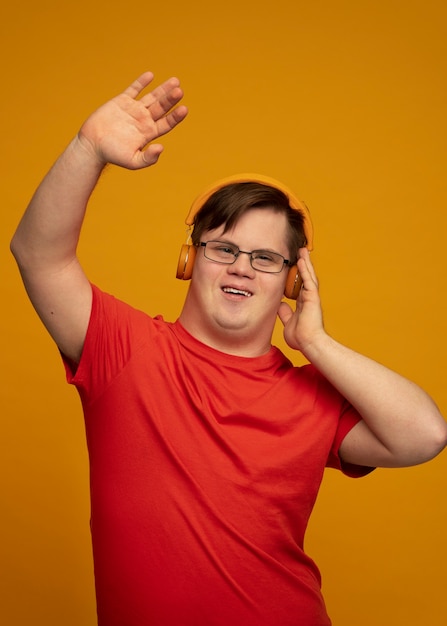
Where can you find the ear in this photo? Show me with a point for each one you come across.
(293, 283)
(186, 261)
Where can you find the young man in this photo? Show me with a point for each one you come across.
(206, 445)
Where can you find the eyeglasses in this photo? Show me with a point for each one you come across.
(260, 260)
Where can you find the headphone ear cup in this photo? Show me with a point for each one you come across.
(186, 261)
(293, 283)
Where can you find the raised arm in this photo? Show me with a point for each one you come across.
(401, 424)
(120, 132)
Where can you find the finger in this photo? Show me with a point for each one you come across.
(150, 155)
(306, 269)
(139, 84)
(167, 123)
(160, 92)
(285, 312)
(162, 100)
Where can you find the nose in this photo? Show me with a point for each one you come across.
(242, 264)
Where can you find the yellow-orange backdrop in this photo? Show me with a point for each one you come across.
(345, 102)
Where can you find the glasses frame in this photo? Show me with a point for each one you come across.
(285, 262)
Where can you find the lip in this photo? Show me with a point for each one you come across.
(236, 291)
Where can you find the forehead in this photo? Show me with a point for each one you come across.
(258, 228)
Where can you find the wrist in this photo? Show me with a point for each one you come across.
(85, 152)
(317, 346)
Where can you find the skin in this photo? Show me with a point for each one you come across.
(401, 424)
(121, 132)
(238, 323)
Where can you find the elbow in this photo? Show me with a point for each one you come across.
(436, 440)
(26, 254)
(441, 438)
(16, 249)
(13, 247)
(424, 444)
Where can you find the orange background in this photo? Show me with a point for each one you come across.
(345, 102)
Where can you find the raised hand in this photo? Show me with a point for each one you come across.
(45, 243)
(304, 326)
(121, 130)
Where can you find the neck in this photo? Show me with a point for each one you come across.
(237, 342)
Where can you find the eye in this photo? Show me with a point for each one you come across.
(264, 257)
(222, 249)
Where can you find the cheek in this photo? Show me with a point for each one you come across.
(204, 273)
(275, 285)
(200, 268)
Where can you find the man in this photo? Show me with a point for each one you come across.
(206, 445)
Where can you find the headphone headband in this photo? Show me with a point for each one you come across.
(294, 202)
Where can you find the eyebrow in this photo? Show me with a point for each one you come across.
(264, 249)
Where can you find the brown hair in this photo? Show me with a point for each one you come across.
(228, 204)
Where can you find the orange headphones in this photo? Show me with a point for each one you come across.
(188, 251)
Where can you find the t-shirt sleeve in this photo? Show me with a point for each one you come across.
(114, 333)
(349, 418)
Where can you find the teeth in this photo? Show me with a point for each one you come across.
(239, 292)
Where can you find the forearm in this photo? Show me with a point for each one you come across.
(121, 132)
(399, 413)
(401, 423)
(49, 230)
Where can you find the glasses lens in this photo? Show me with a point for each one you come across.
(220, 252)
(266, 261)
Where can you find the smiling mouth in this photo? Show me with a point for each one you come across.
(237, 292)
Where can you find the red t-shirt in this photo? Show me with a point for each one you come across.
(204, 470)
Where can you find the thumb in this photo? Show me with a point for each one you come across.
(150, 155)
(285, 312)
